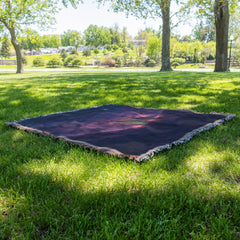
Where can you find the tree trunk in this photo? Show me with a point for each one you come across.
(221, 12)
(165, 8)
(17, 48)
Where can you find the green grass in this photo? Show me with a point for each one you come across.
(52, 190)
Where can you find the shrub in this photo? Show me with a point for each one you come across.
(131, 46)
(115, 46)
(105, 52)
(38, 62)
(74, 51)
(86, 52)
(76, 62)
(54, 62)
(178, 60)
(24, 60)
(175, 64)
(118, 52)
(68, 60)
(96, 50)
(125, 50)
(109, 61)
(63, 54)
(138, 62)
(119, 60)
(109, 48)
(203, 59)
(150, 62)
(97, 62)
(126, 59)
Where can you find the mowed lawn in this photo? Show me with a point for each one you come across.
(52, 190)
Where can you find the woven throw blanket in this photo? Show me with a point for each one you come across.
(125, 131)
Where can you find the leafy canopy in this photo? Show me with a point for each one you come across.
(21, 13)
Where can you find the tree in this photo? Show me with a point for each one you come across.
(72, 38)
(97, 36)
(234, 25)
(31, 41)
(15, 15)
(5, 50)
(205, 32)
(124, 35)
(144, 9)
(144, 35)
(221, 10)
(51, 41)
(154, 48)
(115, 35)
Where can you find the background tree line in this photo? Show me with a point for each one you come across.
(195, 48)
(17, 15)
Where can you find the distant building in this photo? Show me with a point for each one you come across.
(67, 48)
(82, 48)
(48, 50)
(137, 43)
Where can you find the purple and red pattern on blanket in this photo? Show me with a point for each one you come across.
(123, 130)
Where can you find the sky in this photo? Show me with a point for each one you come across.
(88, 13)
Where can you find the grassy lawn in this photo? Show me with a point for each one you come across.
(53, 190)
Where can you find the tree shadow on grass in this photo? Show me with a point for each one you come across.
(44, 206)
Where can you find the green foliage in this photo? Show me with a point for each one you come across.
(126, 59)
(68, 60)
(63, 54)
(54, 62)
(109, 62)
(115, 47)
(192, 50)
(96, 50)
(86, 52)
(234, 25)
(150, 62)
(73, 61)
(109, 47)
(138, 62)
(145, 35)
(97, 36)
(124, 35)
(115, 35)
(175, 64)
(154, 48)
(195, 57)
(77, 62)
(178, 60)
(5, 49)
(97, 62)
(140, 51)
(205, 33)
(38, 62)
(118, 52)
(51, 41)
(71, 38)
(105, 51)
(17, 14)
(31, 40)
(125, 50)
(24, 60)
(74, 51)
(119, 60)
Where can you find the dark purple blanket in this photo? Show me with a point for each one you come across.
(122, 130)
